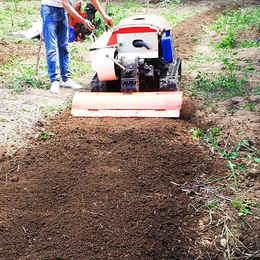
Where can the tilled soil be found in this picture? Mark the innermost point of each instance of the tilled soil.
(109, 188)
(104, 189)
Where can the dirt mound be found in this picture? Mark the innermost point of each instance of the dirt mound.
(184, 32)
(9, 51)
(103, 189)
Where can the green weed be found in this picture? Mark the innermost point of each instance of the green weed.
(79, 68)
(210, 136)
(228, 42)
(170, 2)
(49, 109)
(17, 73)
(195, 38)
(212, 205)
(233, 111)
(132, 5)
(47, 135)
(68, 104)
(17, 15)
(16, 89)
(174, 18)
(206, 57)
(256, 91)
(249, 44)
(251, 106)
(237, 20)
(213, 107)
(227, 211)
(239, 149)
(221, 86)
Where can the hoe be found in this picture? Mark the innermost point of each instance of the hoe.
(136, 72)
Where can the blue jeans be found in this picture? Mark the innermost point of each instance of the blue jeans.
(55, 32)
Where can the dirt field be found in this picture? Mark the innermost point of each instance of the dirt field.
(119, 188)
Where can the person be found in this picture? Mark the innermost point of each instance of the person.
(55, 33)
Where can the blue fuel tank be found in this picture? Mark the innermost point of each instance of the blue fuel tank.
(167, 51)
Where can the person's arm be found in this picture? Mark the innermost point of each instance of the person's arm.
(108, 20)
(73, 13)
(87, 23)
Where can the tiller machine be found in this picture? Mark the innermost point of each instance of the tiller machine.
(137, 73)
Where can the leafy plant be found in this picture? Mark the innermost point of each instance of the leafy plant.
(48, 109)
(256, 91)
(233, 111)
(237, 20)
(250, 105)
(47, 135)
(209, 137)
(2, 119)
(195, 38)
(249, 44)
(228, 42)
(221, 86)
(239, 149)
(16, 89)
(213, 107)
(206, 57)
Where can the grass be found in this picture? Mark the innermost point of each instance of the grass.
(17, 15)
(238, 20)
(230, 24)
(232, 80)
(20, 72)
(234, 210)
(49, 109)
(220, 86)
(237, 148)
(226, 84)
(251, 106)
(249, 44)
(256, 91)
(175, 19)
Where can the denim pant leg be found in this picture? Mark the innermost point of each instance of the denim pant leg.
(50, 39)
(63, 37)
(55, 32)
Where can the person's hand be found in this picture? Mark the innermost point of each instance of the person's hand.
(108, 20)
(89, 25)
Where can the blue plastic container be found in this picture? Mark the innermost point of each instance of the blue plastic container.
(71, 34)
(167, 51)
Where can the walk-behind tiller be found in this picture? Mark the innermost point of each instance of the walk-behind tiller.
(137, 73)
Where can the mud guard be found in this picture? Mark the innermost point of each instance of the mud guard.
(138, 104)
